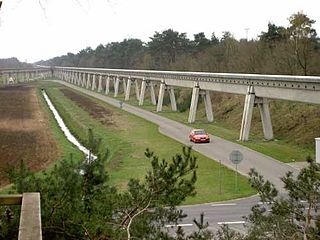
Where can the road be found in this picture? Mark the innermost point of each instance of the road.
(218, 149)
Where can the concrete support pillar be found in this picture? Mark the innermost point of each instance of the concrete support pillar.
(69, 77)
(116, 86)
(160, 97)
(73, 76)
(79, 79)
(127, 96)
(172, 99)
(94, 85)
(136, 84)
(124, 85)
(75, 80)
(317, 150)
(247, 114)
(142, 92)
(152, 93)
(208, 105)
(194, 104)
(107, 85)
(100, 84)
(265, 117)
(162, 90)
(83, 84)
(88, 81)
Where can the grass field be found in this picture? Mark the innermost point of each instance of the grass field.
(64, 146)
(127, 137)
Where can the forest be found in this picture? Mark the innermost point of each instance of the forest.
(292, 50)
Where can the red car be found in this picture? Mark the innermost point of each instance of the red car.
(199, 136)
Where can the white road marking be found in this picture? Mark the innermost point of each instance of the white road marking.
(223, 204)
(229, 223)
(180, 225)
(263, 203)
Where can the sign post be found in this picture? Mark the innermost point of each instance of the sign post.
(318, 150)
(220, 178)
(236, 157)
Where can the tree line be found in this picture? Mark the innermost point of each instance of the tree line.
(12, 63)
(293, 50)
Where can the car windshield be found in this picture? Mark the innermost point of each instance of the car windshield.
(199, 132)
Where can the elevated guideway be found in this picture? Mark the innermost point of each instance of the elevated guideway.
(17, 75)
(257, 89)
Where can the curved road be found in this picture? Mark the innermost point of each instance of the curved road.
(218, 150)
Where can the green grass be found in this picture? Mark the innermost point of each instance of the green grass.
(65, 148)
(279, 149)
(127, 140)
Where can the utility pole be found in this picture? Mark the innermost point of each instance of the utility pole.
(0, 4)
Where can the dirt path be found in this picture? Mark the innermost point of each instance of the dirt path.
(25, 132)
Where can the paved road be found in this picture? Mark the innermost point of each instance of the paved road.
(229, 212)
(218, 149)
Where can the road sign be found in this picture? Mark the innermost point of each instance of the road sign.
(236, 157)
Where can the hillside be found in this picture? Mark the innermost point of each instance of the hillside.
(296, 123)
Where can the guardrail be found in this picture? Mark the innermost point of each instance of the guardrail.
(30, 216)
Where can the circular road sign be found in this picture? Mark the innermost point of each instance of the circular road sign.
(236, 157)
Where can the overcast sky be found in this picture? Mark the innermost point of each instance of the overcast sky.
(32, 30)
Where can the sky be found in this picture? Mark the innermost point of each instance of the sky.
(34, 30)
